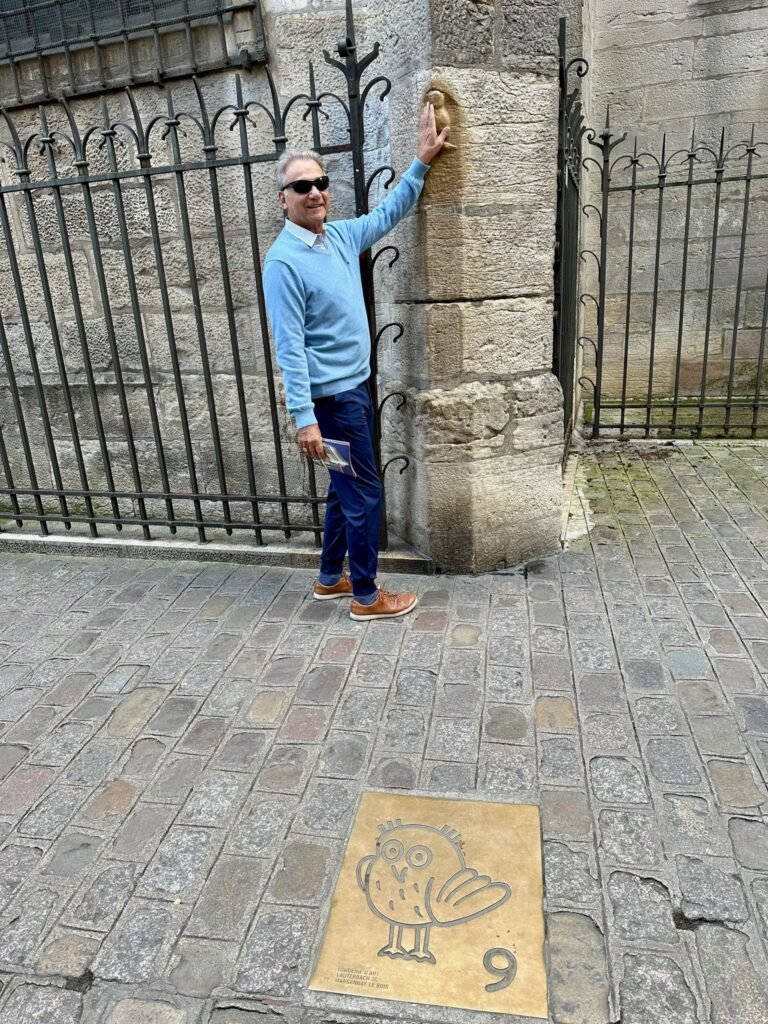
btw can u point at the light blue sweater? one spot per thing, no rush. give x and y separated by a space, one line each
315 301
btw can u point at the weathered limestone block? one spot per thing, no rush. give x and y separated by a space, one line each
217 338
466 422
16 456
42 346
534 396
98 344
408 500
528 28
668 61
105 209
462 31
449 342
503 170
147 277
297 38
617 13
231 190
537 411
497 98
109 408
708 96
491 515
58 282
443 330
227 410
743 51
507 336
480 248
611 33
208 273
405 360
748 20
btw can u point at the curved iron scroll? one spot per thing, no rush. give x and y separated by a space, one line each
585 337
377 81
396 458
380 170
386 248
392 394
400 332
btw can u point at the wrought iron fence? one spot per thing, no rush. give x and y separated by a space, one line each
136 376
65 47
680 307
566 319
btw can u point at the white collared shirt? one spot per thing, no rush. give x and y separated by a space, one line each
308 237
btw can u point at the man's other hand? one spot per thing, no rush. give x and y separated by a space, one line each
430 143
311 442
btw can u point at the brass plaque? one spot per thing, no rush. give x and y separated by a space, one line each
439 902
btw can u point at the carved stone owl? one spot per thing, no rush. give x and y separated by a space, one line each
442 115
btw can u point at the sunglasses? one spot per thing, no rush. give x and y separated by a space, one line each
304 187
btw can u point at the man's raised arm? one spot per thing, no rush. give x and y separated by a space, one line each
365 231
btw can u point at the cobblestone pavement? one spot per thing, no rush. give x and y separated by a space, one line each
184 744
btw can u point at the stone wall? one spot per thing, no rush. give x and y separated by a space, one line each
682 66
482 422
294 41
575 28
682 69
484 413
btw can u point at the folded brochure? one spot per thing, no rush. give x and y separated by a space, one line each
337 457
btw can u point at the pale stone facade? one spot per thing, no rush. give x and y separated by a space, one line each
482 424
682 69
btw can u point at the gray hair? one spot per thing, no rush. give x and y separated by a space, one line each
289 156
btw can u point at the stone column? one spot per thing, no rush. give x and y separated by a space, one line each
483 421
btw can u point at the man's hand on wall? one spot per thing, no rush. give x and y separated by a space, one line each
430 143
311 442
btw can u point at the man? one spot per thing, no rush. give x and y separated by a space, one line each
319 323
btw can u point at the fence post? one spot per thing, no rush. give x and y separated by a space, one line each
354 69
606 144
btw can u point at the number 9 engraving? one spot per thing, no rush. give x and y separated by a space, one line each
506 974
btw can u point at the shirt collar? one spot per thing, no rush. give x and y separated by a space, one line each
308 237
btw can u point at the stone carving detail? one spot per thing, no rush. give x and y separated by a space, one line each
442 115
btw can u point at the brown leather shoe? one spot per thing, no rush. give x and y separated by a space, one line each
386 606
341 589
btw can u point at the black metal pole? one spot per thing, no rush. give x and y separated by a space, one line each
353 70
683 283
719 170
630 269
656 271
602 270
751 149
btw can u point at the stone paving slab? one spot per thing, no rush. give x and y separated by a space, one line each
183 745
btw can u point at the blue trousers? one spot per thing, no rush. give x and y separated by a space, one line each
353 512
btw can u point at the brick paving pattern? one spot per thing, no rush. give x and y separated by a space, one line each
183 745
